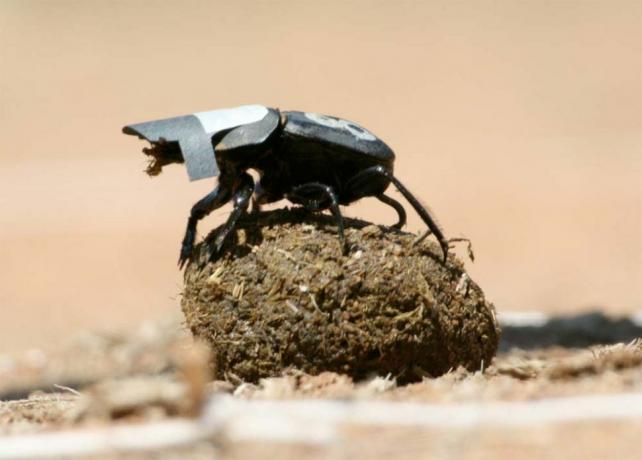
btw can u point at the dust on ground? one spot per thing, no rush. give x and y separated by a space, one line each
155 373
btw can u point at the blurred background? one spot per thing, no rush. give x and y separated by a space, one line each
519 123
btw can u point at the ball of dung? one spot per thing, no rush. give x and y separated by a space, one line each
280 295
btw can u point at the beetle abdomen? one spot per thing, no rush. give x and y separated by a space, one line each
337 133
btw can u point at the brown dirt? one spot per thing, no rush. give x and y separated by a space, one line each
283 296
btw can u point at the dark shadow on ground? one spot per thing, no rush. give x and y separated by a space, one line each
583 330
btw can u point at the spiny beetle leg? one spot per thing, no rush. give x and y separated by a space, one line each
360 181
213 200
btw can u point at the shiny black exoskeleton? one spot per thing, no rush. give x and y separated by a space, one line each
317 161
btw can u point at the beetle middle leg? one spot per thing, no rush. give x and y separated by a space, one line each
361 185
401 212
316 197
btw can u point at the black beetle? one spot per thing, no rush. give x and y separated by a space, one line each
317 161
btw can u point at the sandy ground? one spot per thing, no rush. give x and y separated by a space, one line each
152 376
518 123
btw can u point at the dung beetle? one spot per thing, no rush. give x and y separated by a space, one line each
314 160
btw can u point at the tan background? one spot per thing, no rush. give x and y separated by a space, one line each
518 122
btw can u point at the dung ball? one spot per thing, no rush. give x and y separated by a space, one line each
281 295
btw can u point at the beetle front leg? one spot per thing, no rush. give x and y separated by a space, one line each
213 200
241 201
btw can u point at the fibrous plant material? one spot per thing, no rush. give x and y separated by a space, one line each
281 295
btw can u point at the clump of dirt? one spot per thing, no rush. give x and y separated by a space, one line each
281 295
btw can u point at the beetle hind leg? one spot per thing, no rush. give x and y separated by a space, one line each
361 186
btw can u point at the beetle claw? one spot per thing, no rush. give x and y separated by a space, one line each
444 249
186 255
182 261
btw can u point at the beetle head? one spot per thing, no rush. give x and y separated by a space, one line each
177 140
160 154
161 151
189 138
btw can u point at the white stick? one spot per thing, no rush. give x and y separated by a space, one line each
316 422
150 436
